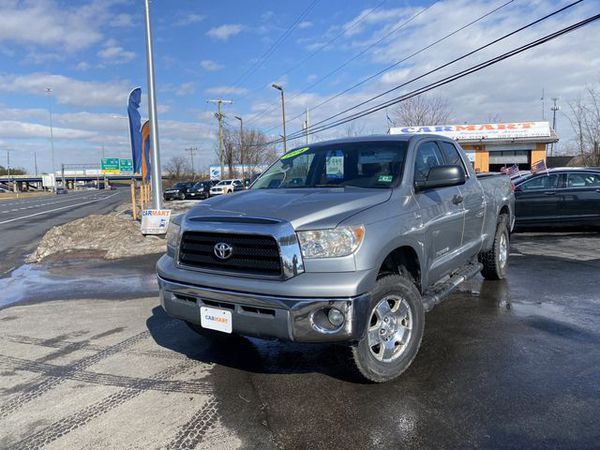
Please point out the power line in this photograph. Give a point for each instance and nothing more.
(358, 55)
(317, 50)
(391, 66)
(260, 61)
(438, 68)
(451, 78)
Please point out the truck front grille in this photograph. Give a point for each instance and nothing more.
(250, 254)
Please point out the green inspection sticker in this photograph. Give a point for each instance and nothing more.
(294, 153)
(385, 179)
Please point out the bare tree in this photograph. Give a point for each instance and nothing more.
(178, 168)
(253, 150)
(584, 117)
(355, 129)
(422, 110)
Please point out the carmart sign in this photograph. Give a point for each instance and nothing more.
(512, 130)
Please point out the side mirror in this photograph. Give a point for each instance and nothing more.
(442, 176)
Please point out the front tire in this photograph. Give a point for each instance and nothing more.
(394, 331)
(495, 261)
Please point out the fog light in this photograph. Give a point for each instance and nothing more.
(336, 317)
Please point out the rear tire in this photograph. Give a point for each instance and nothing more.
(394, 330)
(495, 261)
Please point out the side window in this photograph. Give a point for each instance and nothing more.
(428, 156)
(452, 155)
(576, 180)
(541, 182)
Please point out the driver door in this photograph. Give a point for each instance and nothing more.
(442, 215)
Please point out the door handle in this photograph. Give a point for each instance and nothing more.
(457, 199)
(550, 193)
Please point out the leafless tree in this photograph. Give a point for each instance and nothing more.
(422, 110)
(254, 149)
(178, 168)
(355, 129)
(584, 117)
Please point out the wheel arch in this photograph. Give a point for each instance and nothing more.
(403, 260)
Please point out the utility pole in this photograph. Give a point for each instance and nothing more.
(192, 150)
(152, 113)
(306, 124)
(49, 92)
(8, 167)
(280, 89)
(219, 117)
(35, 163)
(241, 143)
(543, 100)
(554, 108)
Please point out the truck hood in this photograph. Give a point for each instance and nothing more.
(304, 208)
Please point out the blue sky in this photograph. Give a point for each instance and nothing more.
(91, 53)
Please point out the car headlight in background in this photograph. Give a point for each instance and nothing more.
(335, 242)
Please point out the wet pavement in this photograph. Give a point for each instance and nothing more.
(502, 364)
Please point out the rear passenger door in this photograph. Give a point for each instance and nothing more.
(442, 214)
(581, 197)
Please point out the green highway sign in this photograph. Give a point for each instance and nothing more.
(126, 165)
(110, 165)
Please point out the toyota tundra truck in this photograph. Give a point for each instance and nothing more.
(348, 241)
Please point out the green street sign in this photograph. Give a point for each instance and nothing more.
(126, 165)
(110, 165)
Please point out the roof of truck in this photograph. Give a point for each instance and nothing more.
(378, 137)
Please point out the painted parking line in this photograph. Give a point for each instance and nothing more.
(57, 209)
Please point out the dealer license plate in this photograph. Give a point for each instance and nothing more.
(215, 319)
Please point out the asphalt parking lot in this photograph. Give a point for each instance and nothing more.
(503, 364)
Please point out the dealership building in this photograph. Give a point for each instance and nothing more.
(491, 146)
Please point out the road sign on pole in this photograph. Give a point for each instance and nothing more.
(126, 166)
(110, 165)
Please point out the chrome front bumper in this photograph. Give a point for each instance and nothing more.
(287, 318)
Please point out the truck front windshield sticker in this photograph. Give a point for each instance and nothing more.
(294, 153)
(385, 179)
(334, 165)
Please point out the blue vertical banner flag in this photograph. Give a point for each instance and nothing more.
(135, 132)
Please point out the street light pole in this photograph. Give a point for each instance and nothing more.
(280, 89)
(152, 113)
(241, 143)
(192, 150)
(219, 102)
(49, 93)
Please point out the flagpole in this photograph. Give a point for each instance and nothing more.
(156, 172)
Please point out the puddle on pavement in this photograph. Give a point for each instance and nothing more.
(80, 277)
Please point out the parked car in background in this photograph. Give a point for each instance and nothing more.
(227, 187)
(201, 189)
(178, 191)
(559, 197)
(61, 190)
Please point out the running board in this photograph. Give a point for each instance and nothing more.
(439, 292)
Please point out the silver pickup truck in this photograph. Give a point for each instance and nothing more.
(349, 241)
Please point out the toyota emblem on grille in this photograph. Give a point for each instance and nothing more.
(223, 250)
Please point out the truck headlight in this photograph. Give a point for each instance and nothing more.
(173, 234)
(335, 242)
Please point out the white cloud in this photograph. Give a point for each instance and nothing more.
(185, 89)
(82, 66)
(68, 91)
(305, 24)
(113, 53)
(226, 90)
(47, 24)
(224, 32)
(185, 19)
(210, 65)
(122, 20)
(16, 129)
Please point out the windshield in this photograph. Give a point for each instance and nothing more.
(359, 164)
(221, 183)
(198, 185)
(179, 185)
